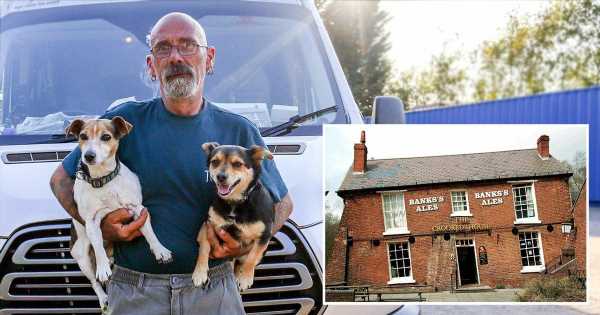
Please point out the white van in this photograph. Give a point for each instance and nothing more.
(64, 59)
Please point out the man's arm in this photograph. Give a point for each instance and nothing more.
(116, 226)
(62, 187)
(283, 210)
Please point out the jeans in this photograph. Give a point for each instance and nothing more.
(131, 292)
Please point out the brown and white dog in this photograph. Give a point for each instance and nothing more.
(243, 208)
(104, 184)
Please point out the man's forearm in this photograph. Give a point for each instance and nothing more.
(62, 187)
(283, 209)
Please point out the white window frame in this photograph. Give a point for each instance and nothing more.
(399, 280)
(536, 268)
(463, 213)
(535, 218)
(395, 230)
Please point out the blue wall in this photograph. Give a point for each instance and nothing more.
(566, 107)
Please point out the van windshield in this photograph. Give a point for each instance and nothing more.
(61, 63)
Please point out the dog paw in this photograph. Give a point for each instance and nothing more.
(103, 300)
(163, 255)
(200, 277)
(244, 281)
(103, 272)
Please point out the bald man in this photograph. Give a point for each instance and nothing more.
(163, 149)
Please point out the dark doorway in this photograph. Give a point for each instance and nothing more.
(467, 265)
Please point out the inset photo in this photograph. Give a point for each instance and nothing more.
(456, 213)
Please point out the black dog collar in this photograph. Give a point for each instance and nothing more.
(83, 173)
(249, 191)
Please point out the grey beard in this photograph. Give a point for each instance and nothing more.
(180, 87)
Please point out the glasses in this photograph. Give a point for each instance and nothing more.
(185, 49)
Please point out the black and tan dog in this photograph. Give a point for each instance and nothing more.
(243, 208)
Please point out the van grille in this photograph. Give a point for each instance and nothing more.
(39, 276)
(34, 157)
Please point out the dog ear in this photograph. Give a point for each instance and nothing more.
(208, 147)
(258, 153)
(122, 126)
(75, 127)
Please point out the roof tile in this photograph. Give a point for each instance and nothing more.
(452, 168)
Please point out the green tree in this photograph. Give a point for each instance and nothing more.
(443, 83)
(559, 49)
(407, 89)
(331, 227)
(357, 30)
(579, 175)
(579, 169)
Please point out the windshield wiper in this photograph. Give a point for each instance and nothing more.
(294, 121)
(57, 138)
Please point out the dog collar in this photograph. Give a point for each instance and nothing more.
(249, 191)
(83, 173)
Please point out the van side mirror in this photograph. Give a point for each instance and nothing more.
(387, 110)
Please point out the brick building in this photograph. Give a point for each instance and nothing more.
(445, 222)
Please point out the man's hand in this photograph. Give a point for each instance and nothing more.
(119, 225)
(222, 245)
(229, 247)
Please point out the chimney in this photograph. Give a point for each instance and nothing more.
(360, 155)
(543, 147)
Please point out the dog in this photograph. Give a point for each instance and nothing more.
(243, 208)
(102, 185)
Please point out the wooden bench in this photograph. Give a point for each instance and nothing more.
(364, 292)
(358, 291)
(380, 291)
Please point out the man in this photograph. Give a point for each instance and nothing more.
(164, 150)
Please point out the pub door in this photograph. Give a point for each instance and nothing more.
(467, 264)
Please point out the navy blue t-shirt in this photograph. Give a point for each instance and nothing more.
(164, 150)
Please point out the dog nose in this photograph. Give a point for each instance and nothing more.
(221, 177)
(89, 156)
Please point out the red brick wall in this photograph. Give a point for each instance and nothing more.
(362, 222)
(360, 158)
(334, 272)
(430, 257)
(504, 259)
(543, 146)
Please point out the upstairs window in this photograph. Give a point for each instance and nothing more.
(394, 213)
(525, 204)
(460, 203)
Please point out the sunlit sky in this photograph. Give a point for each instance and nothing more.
(400, 141)
(421, 29)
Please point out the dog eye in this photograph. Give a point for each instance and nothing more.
(214, 163)
(236, 164)
(83, 137)
(105, 137)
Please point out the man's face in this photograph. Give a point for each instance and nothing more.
(181, 74)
